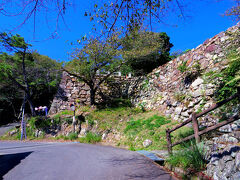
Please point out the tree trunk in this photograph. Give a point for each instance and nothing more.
(92, 96)
(31, 106)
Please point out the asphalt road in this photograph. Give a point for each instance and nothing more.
(74, 161)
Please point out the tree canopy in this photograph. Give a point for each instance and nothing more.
(25, 74)
(94, 58)
(144, 50)
(114, 14)
(234, 11)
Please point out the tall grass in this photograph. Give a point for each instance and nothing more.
(91, 138)
(189, 158)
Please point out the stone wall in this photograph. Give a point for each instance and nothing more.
(177, 94)
(177, 89)
(72, 91)
(182, 87)
(225, 164)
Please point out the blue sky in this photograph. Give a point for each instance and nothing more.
(203, 22)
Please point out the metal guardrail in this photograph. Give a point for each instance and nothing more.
(193, 119)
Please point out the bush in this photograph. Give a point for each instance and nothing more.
(90, 138)
(72, 136)
(183, 67)
(39, 122)
(190, 158)
(230, 77)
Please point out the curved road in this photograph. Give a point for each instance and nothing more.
(74, 161)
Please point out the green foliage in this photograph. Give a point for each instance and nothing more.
(63, 116)
(90, 122)
(68, 120)
(126, 69)
(72, 136)
(142, 106)
(115, 103)
(110, 117)
(190, 73)
(66, 112)
(150, 123)
(24, 71)
(234, 11)
(39, 122)
(179, 96)
(126, 16)
(44, 77)
(229, 77)
(191, 158)
(146, 126)
(183, 67)
(145, 51)
(59, 137)
(13, 42)
(181, 133)
(95, 56)
(178, 53)
(90, 138)
(145, 84)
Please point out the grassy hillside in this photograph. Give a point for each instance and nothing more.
(120, 125)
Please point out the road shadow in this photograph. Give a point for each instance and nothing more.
(9, 161)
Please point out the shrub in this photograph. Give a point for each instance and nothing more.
(190, 158)
(66, 112)
(183, 67)
(59, 137)
(179, 97)
(39, 122)
(90, 122)
(230, 77)
(90, 138)
(142, 106)
(72, 136)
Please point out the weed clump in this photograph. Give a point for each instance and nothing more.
(91, 138)
(72, 136)
(189, 158)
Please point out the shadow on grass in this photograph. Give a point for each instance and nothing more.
(114, 103)
(9, 161)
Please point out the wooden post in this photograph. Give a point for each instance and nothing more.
(169, 144)
(195, 127)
